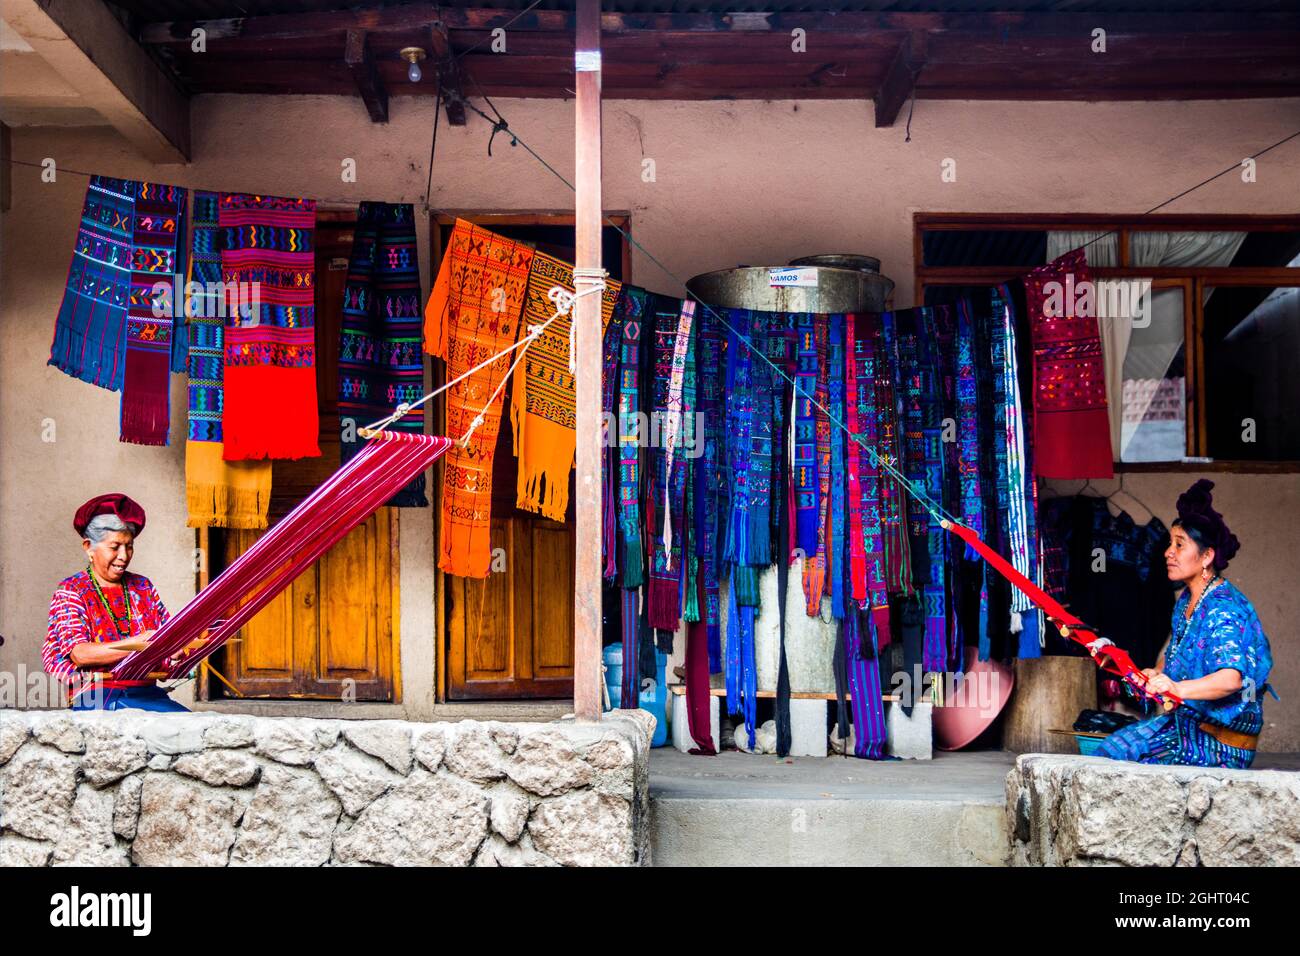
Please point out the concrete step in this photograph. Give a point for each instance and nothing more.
(743, 810)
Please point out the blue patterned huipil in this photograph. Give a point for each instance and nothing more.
(1224, 632)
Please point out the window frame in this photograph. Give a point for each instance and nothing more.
(1194, 281)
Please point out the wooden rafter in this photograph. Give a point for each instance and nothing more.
(449, 88)
(356, 54)
(901, 79)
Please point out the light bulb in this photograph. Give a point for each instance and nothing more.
(413, 72)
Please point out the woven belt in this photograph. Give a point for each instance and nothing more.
(1231, 738)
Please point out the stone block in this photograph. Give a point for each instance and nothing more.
(912, 737)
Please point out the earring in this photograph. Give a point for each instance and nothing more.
(1205, 574)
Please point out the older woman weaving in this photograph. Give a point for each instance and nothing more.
(100, 615)
(1217, 659)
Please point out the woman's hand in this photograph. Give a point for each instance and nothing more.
(1163, 684)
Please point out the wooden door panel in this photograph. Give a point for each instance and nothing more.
(552, 600)
(511, 633)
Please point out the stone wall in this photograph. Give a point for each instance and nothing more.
(1090, 811)
(221, 790)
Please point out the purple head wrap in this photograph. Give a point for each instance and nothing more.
(1197, 516)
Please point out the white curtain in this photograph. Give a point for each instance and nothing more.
(1153, 250)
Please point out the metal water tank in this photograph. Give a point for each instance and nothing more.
(828, 283)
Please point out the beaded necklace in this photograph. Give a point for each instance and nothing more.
(126, 597)
(1185, 620)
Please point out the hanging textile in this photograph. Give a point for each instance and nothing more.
(861, 670)
(632, 308)
(88, 333)
(218, 493)
(665, 490)
(935, 588)
(381, 364)
(889, 434)
(699, 702)
(742, 672)
(758, 539)
(689, 464)
(814, 566)
(805, 479)
(709, 483)
(611, 345)
(472, 314)
(861, 343)
(1071, 425)
(269, 408)
(631, 686)
(738, 549)
(157, 256)
(1020, 495)
(543, 402)
(836, 552)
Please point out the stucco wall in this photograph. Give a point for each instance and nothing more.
(755, 182)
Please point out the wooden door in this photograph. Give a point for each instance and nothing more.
(510, 635)
(333, 632)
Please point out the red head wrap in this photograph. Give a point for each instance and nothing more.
(115, 503)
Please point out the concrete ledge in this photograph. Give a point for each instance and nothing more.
(1090, 811)
(130, 787)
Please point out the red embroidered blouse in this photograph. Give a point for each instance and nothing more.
(78, 615)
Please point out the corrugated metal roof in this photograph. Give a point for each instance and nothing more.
(150, 11)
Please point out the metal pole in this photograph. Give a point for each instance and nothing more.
(587, 226)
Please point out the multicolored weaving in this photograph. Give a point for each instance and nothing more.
(218, 493)
(861, 342)
(758, 552)
(632, 309)
(968, 450)
(381, 363)
(269, 406)
(611, 346)
(934, 590)
(740, 420)
(1071, 424)
(90, 329)
(665, 563)
(742, 671)
(862, 669)
(815, 564)
(709, 485)
(542, 405)
(157, 255)
(806, 485)
(897, 547)
(836, 550)
(473, 313)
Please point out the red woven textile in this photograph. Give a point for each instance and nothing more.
(351, 494)
(1071, 426)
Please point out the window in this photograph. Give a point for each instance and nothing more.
(1205, 370)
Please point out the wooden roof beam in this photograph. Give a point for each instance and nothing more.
(362, 67)
(901, 79)
(89, 48)
(449, 87)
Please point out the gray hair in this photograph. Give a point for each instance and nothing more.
(101, 526)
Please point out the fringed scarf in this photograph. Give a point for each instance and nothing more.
(994, 596)
(806, 486)
(89, 330)
(473, 313)
(897, 547)
(835, 549)
(632, 308)
(861, 342)
(270, 406)
(157, 255)
(611, 345)
(218, 493)
(709, 485)
(815, 564)
(1020, 497)
(742, 672)
(934, 589)
(664, 492)
(688, 462)
(761, 431)
(381, 363)
(1071, 425)
(543, 407)
(741, 402)
(862, 673)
